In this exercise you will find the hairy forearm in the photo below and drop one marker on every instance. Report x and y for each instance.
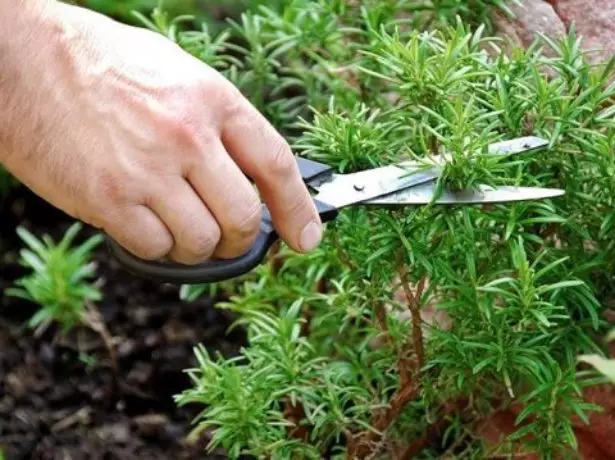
(27, 32)
(121, 128)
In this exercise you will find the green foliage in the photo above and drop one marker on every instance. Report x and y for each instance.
(606, 366)
(7, 181)
(58, 281)
(124, 9)
(472, 11)
(343, 358)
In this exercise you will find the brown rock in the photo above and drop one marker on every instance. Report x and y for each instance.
(116, 433)
(140, 373)
(176, 331)
(594, 21)
(150, 424)
(14, 385)
(531, 18)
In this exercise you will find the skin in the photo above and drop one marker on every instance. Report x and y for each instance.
(120, 128)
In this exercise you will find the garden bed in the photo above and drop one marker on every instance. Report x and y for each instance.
(331, 370)
(62, 398)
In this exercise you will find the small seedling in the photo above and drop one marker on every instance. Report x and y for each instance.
(60, 279)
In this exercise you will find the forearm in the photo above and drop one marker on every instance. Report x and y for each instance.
(27, 32)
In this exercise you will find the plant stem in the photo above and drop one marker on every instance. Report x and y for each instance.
(415, 310)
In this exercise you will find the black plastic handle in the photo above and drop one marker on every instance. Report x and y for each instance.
(216, 269)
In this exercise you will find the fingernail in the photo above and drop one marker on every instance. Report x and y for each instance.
(310, 236)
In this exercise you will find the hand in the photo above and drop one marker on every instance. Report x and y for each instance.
(120, 128)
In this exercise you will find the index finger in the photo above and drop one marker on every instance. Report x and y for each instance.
(263, 154)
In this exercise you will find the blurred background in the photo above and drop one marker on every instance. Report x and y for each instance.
(212, 12)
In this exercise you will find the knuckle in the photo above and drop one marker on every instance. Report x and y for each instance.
(281, 162)
(244, 228)
(112, 186)
(234, 111)
(140, 238)
(147, 249)
(203, 244)
(231, 99)
(224, 99)
(298, 207)
(153, 251)
(181, 132)
(200, 244)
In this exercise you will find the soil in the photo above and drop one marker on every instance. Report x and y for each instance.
(60, 398)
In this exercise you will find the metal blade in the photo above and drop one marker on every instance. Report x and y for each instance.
(518, 145)
(504, 148)
(341, 190)
(424, 194)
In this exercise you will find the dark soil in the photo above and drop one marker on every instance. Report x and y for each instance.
(60, 398)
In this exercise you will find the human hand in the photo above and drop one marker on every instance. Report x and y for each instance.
(120, 128)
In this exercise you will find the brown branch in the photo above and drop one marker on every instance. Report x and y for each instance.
(400, 399)
(414, 305)
(382, 321)
(404, 365)
(364, 443)
(351, 444)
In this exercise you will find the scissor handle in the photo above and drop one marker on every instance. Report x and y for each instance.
(222, 269)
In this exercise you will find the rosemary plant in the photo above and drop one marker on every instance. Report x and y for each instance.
(343, 361)
(59, 281)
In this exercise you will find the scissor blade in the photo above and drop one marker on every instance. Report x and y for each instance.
(425, 193)
(341, 190)
(506, 148)
(518, 145)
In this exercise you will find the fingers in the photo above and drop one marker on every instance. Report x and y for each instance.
(266, 157)
(194, 230)
(140, 231)
(230, 198)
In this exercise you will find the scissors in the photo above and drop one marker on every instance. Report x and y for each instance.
(402, 184)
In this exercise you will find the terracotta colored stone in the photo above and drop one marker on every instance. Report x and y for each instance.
(594, 21)
(531, 17)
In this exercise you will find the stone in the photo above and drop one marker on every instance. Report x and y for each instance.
(531, 17)
(115, 433)
(594, 21)
(150, 424)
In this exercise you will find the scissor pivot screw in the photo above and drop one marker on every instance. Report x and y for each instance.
(359, 187)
